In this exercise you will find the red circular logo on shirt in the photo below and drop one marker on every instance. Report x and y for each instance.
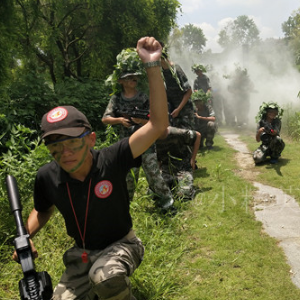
(57, 114)
(103, 189)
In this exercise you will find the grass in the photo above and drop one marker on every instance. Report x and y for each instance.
(213, 248)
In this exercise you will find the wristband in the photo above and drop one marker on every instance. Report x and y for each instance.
(151, 64)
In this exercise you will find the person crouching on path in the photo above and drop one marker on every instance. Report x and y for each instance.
(268, 133)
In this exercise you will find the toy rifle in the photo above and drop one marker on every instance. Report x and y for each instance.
(34, 285)
(134, 113)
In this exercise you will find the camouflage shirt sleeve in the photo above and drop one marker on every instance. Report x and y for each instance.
(182, 78)
(112, 107)
(211, 111)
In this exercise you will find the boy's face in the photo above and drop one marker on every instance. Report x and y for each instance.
(272, 113)
(71, 153)
(199, 105)
(199, 73)
(129, 81)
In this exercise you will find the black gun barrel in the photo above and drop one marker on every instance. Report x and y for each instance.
(15, 205)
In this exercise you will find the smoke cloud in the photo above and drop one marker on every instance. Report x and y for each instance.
(270, 66)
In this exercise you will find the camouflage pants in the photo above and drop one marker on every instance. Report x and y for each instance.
(161, 192)
(181, 184)
(184, 120)
(104, 276)
(274, 150)
(208, 134)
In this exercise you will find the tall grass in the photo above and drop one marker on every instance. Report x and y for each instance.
(213, 248)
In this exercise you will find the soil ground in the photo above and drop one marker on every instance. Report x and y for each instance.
(278, 212)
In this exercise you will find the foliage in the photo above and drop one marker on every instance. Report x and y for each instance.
(263, 110)
(239, 32)
(110, 137)
(30, 96)
(21, 160)
(80, 39)
(189, 37)
(193, 38)
(198, 67)
(6, 29)
(289, 26)
(200, 95)
(293, 126)
(89, 96)
(213, 242)
(291, 29)
(128, 61)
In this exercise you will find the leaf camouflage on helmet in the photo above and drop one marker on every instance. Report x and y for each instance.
(200, 95)
(263, 110)
(196, 67)
(129, 61)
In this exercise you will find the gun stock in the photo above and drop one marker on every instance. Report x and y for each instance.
(34, 285)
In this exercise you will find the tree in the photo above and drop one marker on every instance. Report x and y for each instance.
(242, 31)
(289, 27)
(189, 38)
(193, 37)
(291, 30)
(6, 29)
(81, 38)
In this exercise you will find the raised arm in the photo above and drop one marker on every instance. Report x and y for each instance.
(149, 50)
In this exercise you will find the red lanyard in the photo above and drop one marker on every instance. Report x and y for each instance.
(84, 255)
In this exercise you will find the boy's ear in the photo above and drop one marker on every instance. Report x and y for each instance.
(92, 139)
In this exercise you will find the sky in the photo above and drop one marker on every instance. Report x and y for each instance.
(212, 15)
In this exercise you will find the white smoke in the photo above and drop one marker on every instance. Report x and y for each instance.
(271, 68)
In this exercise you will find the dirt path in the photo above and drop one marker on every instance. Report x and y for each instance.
(278, 212)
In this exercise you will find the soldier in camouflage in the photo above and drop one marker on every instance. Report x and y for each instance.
(268, 133)
(202, 82)
(177, 156)
(130, 98)
(178, 92)
(205, 120)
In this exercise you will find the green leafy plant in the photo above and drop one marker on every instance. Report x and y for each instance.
(263, 110)
(200, 95)
(198, 67)
(128, 60)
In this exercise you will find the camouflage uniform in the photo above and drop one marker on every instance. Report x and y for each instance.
(202, 83)
(271, 145)
(174, 154)
(206, 128)
(185, 119)
(157, 185)
(101, 267)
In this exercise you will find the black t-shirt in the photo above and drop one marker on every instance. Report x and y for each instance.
(108, 215)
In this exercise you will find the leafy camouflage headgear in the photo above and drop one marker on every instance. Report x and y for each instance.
(263, 109)
(200, 95)
(196, 67)
(128, 63)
